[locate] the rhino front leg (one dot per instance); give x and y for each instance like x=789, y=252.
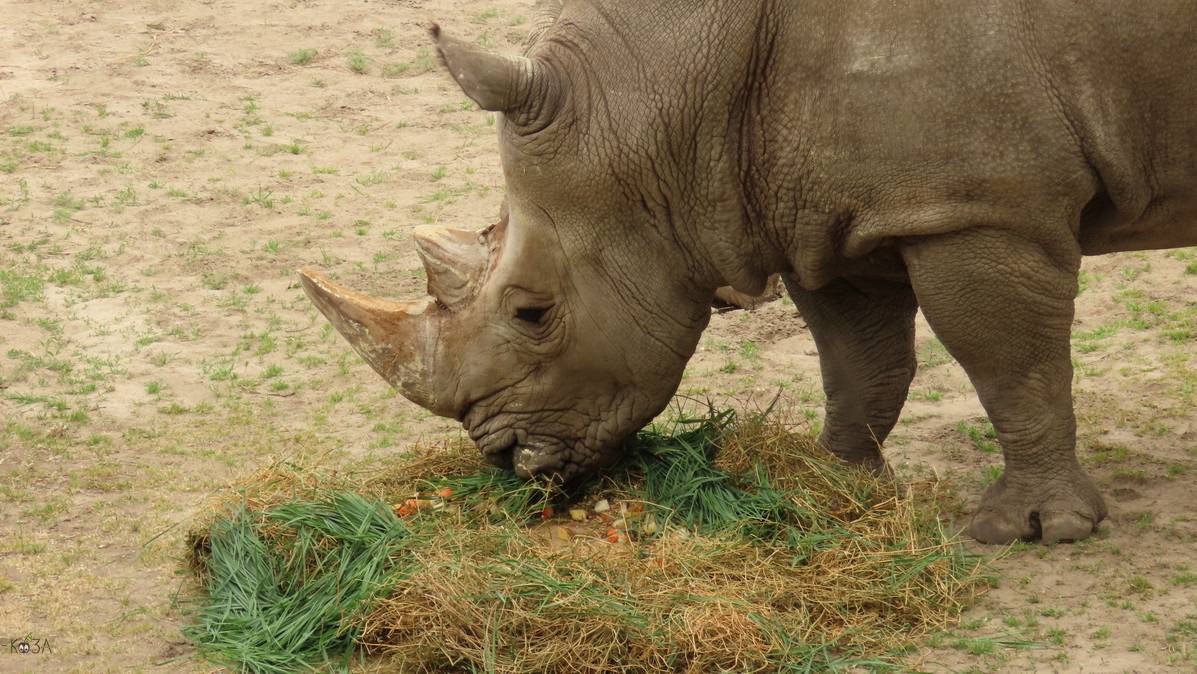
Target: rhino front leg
x=864, y=330
x=1003, y=307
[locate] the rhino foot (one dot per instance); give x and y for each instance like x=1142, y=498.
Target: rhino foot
x=1060, y=510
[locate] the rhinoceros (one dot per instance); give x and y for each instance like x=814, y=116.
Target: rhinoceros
x=958, y=157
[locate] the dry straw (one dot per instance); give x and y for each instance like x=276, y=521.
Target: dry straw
x=731, y=545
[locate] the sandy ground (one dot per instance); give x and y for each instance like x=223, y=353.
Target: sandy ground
x=165, y=166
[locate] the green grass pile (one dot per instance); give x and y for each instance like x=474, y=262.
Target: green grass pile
x=731, y=544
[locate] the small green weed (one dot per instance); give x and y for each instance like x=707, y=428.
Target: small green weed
x=302, y=57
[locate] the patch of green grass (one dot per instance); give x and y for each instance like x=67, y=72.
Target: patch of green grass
x=1182, y=640
x=485, y=16
x=262, y=197
x=1185, y=579
x=20, y=200
x=60, y=366
x=933, y=354
x=358, y=62
x=219, y=372
x=50, y=325
x=1087, y=342
x=372, y=178
x=16, y=287
x=302, y=57
x=272, y=613
x=1178, y=334
x=126, y=197
x=990, y=474
x=422, y=63
x=1103, y=453
x=384, y=38
x=750, y=351
x=49, y=510
x=988, y=645
x=53, y=404
x=214, y=281
x=395, y=69
x=1139, y=585
x=983, y=437
x=1133, y=271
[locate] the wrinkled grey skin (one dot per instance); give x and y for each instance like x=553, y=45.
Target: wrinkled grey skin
x=883, y=156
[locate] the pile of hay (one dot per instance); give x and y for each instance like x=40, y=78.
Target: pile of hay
x=723, y=544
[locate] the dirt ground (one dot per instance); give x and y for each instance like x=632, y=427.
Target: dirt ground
x=166, y=166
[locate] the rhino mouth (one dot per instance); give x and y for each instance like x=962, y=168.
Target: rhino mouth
x=525, y=456
x=505, y=442
x=512, y=448
x=498, y=449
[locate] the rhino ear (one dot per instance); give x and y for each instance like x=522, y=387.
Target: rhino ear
x=495, y=82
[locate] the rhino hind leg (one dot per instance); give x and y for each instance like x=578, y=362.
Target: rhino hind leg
x=864, y=331
x=1003, y=307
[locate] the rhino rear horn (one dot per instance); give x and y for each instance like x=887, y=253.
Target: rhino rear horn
x=498, y=83
x=454, y=260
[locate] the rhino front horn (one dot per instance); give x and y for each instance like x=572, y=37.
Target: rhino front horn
x=454, y=261
x=397, y=339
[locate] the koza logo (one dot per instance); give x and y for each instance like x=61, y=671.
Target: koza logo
x=28, y=645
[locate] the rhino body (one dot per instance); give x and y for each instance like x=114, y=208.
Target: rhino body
x=883, y=157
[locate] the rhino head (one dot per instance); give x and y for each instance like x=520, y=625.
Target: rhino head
x=563, y=329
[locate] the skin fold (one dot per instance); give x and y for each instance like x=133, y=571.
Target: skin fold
x=881, y=157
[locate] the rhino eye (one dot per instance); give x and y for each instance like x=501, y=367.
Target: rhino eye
x=532, y=315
